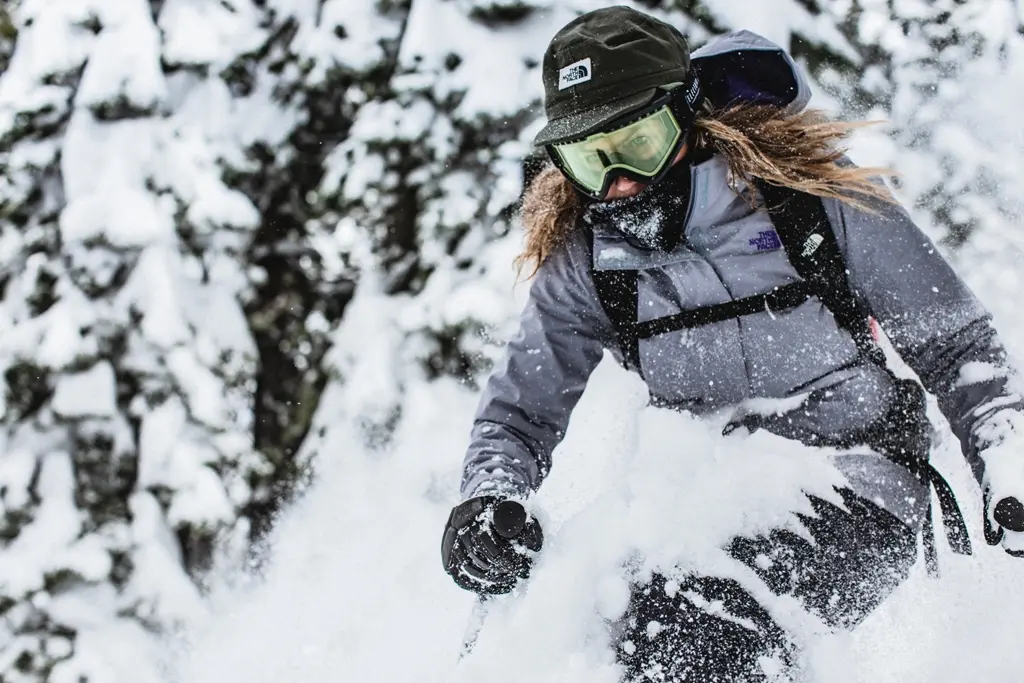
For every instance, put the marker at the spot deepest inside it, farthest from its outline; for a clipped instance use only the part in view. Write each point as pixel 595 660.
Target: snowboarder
pixel 699 186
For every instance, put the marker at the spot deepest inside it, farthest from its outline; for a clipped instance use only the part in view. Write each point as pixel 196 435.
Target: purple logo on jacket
pixel 766 240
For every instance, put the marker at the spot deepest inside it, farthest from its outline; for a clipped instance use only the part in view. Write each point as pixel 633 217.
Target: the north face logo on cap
pixel 575 73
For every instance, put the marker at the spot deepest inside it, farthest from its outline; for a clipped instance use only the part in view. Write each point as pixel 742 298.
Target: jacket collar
pixel 712 202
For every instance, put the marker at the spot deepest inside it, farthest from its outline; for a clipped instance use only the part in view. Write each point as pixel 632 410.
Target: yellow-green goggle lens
pixel 643 147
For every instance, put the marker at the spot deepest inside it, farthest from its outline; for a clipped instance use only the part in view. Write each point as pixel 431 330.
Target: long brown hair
pixel 801 151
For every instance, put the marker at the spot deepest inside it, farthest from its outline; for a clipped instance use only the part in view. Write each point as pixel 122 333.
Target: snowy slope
pixel 355 590
pixel 154 163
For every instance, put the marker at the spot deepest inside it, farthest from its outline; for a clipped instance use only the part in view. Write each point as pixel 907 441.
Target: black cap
pixel 604 64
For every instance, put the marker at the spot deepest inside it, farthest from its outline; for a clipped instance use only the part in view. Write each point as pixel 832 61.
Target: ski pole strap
pixel 993 532
pixel 931 558
pixel 902 436
pixel 952 520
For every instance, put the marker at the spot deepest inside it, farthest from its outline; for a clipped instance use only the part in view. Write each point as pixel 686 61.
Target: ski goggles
pixel 640 148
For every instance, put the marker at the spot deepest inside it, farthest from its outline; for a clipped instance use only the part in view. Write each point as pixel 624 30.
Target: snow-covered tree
pixel 8 33
pixel 918 65
pixel 305 82
pixel 128 362
pixel 228 227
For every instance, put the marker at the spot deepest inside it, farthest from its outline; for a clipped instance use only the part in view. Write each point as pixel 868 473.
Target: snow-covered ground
pixel 356 592
pixel 354 589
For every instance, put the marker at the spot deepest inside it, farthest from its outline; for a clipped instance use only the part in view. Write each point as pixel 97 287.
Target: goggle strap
pixel 693 95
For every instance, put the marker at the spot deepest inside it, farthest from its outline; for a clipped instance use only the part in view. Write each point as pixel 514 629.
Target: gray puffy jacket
pixel 729 252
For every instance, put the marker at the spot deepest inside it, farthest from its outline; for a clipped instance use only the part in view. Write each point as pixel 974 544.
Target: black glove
pixel 1008 514
pixel 488 544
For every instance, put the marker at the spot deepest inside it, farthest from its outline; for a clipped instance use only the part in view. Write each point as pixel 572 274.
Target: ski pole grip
pixel 1009 514
pixel 509 519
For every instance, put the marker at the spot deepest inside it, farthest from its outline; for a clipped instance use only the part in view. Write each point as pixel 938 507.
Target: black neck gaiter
pixel 653 219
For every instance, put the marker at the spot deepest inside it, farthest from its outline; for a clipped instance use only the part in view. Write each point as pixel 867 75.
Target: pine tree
pixel 202 273
pixel 128 364
pixel 914 64
pixel 304 71
pixel 8 34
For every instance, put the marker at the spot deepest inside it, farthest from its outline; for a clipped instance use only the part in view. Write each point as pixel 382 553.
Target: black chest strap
pixel 813 251
pixel 779 299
